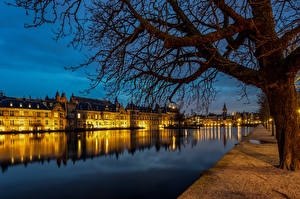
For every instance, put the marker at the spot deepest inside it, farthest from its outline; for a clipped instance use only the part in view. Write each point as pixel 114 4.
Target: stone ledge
pixel 247 171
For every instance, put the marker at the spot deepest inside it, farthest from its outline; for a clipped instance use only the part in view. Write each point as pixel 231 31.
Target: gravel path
pixel 248 171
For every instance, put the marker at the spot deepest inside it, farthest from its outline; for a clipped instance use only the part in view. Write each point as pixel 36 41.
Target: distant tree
pixel 264 110
pixel 179 118
pixel 158 50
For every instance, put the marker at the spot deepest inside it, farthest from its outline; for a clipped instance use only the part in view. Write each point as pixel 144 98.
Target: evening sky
pixel 32 64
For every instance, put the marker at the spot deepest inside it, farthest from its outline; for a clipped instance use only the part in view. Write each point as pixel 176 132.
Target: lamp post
pixel 298 113
pixel 271 120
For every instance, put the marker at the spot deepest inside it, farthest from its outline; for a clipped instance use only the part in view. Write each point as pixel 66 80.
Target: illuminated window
pixel 56 114
pixel 22 113
pixel 21 105
pixel 96 116
pixel 1 113
pixel 11 104
pixel 22 122
pixel 38 106
pixel 29 105
pixel 1 123
pixel 78 115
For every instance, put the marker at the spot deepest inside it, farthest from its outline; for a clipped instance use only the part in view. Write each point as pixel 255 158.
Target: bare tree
pixel 159 50
pixel 264 110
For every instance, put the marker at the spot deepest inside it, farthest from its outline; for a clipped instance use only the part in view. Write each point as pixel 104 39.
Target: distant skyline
pixel 32 64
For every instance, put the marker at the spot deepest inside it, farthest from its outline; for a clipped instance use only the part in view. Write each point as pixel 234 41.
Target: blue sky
pixel 32 64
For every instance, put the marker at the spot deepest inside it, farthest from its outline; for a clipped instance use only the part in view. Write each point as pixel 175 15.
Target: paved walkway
pixel 248 171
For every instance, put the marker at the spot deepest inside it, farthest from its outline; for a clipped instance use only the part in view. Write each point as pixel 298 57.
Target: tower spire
pixel 224 112
pixel 57 97
pixel 224 107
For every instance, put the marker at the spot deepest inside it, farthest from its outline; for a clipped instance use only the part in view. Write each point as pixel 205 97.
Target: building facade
pixel 30 115
pixel 224 119
pixel 78 113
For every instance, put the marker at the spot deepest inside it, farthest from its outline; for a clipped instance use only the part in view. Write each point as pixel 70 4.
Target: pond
pixel 110 164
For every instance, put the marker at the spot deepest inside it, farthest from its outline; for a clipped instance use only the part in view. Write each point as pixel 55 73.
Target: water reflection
pixel 28 148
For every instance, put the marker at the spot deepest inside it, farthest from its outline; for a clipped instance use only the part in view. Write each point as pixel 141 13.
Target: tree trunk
pixel 284 109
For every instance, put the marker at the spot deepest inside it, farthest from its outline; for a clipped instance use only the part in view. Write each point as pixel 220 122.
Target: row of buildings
pixel 59 113
pixel 224 119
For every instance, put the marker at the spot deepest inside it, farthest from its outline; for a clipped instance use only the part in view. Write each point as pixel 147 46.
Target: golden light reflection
pixel 106 145
pixel 22 148
pixel 239 129
pixel 174 145
pixel 79 149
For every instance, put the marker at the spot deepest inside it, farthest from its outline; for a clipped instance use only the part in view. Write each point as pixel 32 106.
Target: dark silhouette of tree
pixel 264 110
pixel 158 50
pixel 179 118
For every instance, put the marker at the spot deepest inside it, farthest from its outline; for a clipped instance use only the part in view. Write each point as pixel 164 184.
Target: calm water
pixel 110 164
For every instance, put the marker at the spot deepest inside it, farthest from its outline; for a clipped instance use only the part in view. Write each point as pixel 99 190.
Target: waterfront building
pixel 20 114
pixel 85 113
pixel 58 113
pixel 223 119
pixel 148 118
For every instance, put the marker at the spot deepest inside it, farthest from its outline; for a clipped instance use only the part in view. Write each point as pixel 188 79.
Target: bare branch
pixel 292 61
pixel 288 36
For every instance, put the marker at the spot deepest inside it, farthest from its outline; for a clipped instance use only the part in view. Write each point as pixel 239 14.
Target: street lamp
pixel 271 120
